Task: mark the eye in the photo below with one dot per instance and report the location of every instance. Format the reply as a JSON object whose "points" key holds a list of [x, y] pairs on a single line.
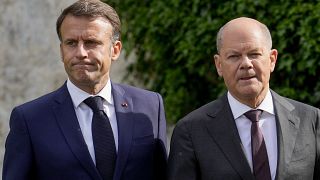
{"points": [[254, 55], [70, 43], [233, 56], [92, 43]]}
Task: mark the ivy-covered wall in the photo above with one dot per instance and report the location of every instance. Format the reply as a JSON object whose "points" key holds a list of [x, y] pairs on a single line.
{"points": [[174, 41]]}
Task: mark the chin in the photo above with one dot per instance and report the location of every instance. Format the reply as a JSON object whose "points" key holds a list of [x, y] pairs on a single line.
{"points": [[250, 92], [83, 79]]}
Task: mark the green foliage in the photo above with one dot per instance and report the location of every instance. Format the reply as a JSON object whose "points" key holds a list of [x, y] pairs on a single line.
{"points": [[175, 42]]}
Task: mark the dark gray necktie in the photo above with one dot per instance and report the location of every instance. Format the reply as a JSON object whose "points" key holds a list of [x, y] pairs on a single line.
{"points": [[260, 160], [103, 140]]}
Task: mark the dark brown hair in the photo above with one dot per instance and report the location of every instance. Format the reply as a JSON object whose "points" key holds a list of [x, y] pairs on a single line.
{"points": [[92, 9]]}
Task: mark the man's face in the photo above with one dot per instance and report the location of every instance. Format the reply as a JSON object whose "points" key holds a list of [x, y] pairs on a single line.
{"points": [[245, 62], [87, 51]]}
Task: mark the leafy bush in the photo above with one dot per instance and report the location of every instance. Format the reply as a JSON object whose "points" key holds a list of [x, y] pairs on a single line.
{"points": [[174, 41]]}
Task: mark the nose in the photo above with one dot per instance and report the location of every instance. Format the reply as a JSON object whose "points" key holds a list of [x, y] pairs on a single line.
{"points": [[81, 52], [246, 63]]}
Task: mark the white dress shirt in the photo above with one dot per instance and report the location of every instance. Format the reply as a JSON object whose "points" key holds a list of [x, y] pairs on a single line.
{"points": [[267, 125], [84, 113]]}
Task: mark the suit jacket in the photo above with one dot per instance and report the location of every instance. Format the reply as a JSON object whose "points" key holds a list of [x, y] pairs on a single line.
{"points": [[45, 140], [206, 144]]}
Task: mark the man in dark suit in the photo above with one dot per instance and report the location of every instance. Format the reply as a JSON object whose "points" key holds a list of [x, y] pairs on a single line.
{"points": [[54, 136], [220, 140]]}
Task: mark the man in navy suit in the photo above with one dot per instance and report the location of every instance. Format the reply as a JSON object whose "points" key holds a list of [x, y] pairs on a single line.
{"points": [[51, 136]]}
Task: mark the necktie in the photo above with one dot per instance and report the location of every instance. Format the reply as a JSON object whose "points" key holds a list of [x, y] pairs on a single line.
{"points": [[260, 160], [103, 140]]}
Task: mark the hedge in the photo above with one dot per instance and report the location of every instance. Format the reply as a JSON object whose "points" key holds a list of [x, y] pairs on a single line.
{"points": [[174, 43]]}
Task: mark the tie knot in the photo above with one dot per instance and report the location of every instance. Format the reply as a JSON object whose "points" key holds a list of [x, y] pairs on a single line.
{"points": [[253, 115], [95, 103]]}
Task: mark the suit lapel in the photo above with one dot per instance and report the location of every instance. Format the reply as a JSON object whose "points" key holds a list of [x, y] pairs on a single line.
{"points": [[221, 125], [287, 130], [222, 128], [123, 107], [67, 120]]}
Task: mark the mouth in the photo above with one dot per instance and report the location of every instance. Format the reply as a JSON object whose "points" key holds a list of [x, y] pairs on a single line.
{"points": [[247, 78], [82, 64], [83, 67]]}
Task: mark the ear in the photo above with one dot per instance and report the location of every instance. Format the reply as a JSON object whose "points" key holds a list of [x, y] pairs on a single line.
{"points": [[217, 62], [61, 52], [116, 50], [273, 59]]}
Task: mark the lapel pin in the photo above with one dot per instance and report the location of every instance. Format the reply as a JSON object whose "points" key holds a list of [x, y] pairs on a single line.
{"points": [[124, 105]]}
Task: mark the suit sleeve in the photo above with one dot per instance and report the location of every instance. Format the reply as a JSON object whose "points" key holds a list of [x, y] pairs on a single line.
{"points": [[317, 130], [162, 124], [182, 163], [18, 156], [161, 144]]}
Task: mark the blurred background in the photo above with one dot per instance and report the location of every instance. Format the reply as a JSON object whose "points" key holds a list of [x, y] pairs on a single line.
{"points": [[174, 41], [168, 47]]}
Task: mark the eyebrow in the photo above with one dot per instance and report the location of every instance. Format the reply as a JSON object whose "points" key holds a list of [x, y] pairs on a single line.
{"points": [[255, 49], [248, 48], [231, 52], [69, 40]]}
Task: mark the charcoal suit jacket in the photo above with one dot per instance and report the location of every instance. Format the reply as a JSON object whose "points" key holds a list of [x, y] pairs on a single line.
{"points": [[206, 144]]}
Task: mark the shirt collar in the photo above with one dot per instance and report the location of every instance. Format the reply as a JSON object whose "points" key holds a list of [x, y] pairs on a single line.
{"points": [[238, 108], [78, 95]]}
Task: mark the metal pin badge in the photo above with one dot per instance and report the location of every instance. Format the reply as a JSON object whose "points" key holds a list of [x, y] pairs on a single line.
{"points": [[124, 105]]}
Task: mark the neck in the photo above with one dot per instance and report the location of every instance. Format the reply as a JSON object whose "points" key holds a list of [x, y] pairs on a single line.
{"points": [[92, 88], [253, 101]]}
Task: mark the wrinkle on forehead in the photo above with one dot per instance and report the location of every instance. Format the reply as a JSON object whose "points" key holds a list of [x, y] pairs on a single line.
{"points": [[240, 48]]}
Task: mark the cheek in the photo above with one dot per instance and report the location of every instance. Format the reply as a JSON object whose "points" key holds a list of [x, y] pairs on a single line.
{"points": [[263, 75], [230, 71], [261, 67], [102, 58], [65, 60], [266, 76], [105, 63], [229, 77], [66, 56], [102, 54]]}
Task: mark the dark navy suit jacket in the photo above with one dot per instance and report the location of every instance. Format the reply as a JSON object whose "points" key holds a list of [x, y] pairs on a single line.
{"points": [[45, 140]]}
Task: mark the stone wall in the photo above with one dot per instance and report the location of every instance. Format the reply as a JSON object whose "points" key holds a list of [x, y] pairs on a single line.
{"points": [[30, 64]]}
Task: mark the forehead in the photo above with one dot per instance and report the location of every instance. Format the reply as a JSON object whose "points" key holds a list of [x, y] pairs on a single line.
{"points": [[76, 25], [246, 47], [241, 37]]}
